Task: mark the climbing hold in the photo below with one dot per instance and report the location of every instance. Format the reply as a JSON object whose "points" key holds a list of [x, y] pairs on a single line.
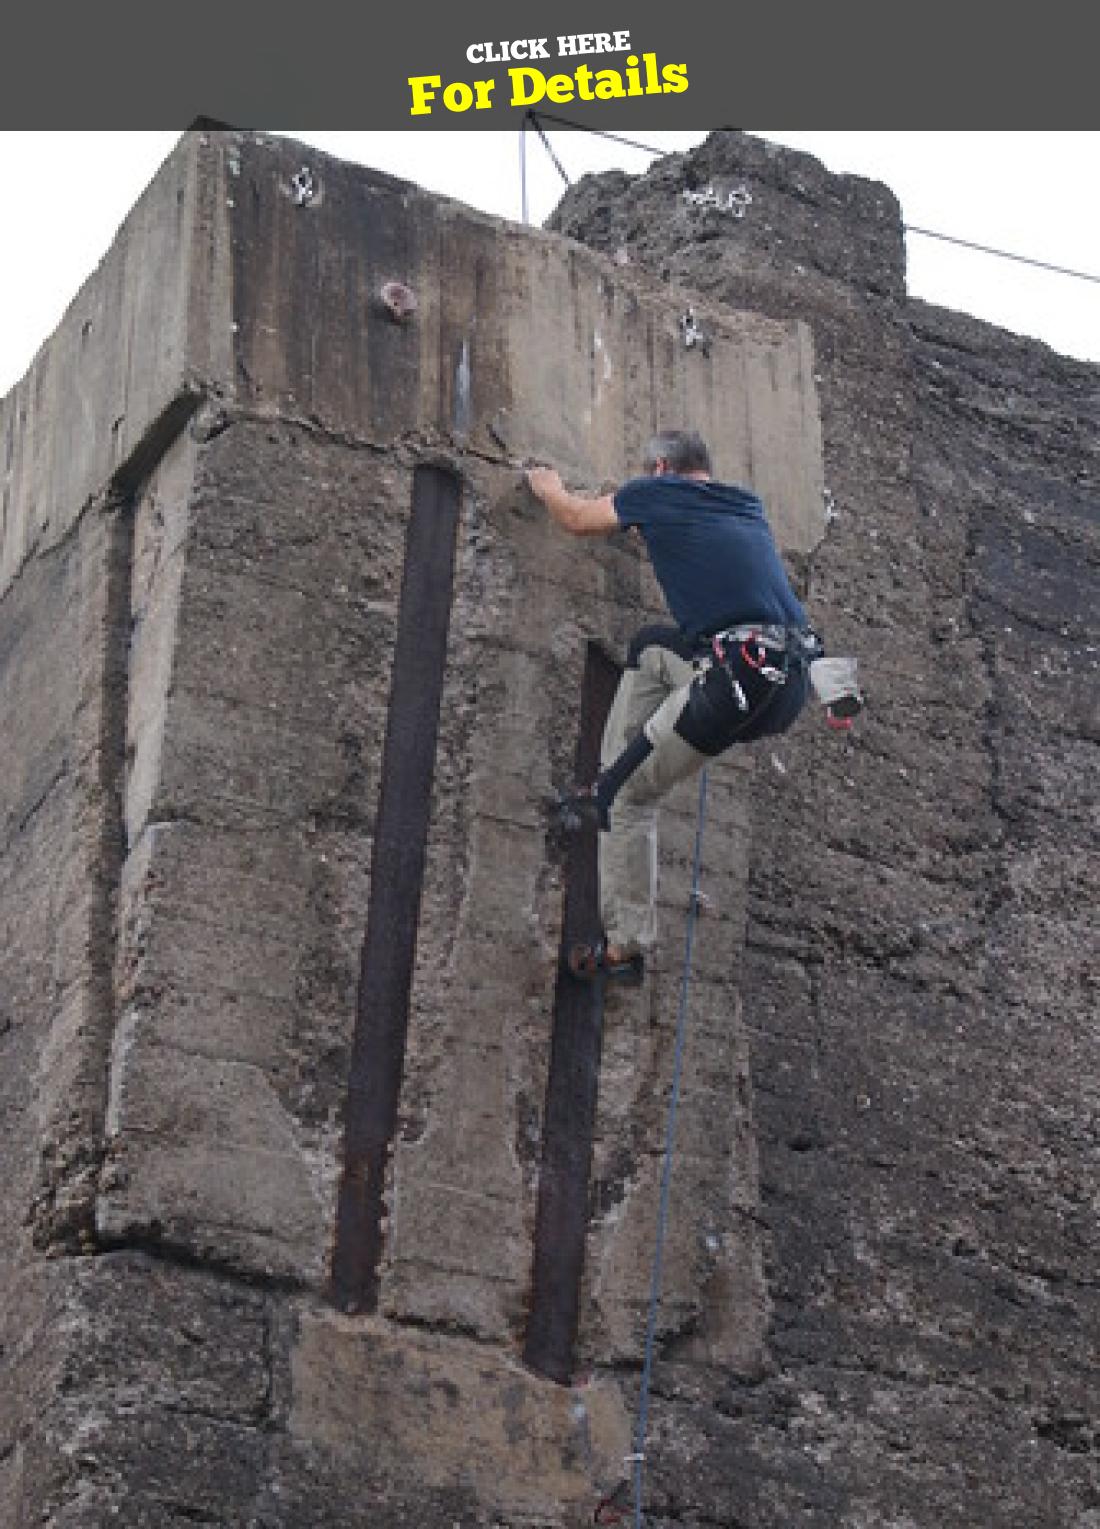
{"points": [[303, 187], [736, 202], [399, 299], [692, 333]]}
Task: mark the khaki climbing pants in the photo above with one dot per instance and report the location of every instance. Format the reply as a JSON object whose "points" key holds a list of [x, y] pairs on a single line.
{"points": [[653, 695], [650, 696]]}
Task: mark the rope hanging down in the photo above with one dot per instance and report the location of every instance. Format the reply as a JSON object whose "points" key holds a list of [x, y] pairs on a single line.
{"points": [[638, 1457]]}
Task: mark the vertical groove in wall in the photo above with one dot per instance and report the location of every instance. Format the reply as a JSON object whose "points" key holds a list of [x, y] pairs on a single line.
{"points": [[397, 872], [100, 750], [105, 792], [87, 934], [569, 1117]]}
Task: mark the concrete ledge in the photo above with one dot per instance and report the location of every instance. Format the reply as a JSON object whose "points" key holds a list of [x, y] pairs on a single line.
{"points": [[455, 1415]]}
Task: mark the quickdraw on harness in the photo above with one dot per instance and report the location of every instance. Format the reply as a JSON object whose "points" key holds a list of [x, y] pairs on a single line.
{"points": [[753, 648]]}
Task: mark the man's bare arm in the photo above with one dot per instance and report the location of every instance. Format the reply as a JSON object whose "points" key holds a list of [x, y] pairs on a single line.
{"points": [[573, 512]]}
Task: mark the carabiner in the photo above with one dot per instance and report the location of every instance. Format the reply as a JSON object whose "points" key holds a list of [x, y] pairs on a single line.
{"points": [[761, 653]]}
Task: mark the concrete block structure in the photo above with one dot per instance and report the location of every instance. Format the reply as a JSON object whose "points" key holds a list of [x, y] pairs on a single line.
{"points": [[320, 1208]]}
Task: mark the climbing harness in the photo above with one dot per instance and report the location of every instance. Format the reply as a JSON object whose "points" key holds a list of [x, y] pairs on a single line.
{"points": [[754, 645], [767, 653], [738, 678]]}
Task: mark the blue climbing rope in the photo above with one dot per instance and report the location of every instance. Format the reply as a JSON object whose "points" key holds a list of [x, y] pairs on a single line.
{"points": [[638, 1456]]}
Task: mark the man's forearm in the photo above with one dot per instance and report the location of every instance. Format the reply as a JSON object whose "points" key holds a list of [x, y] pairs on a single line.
{"points": [[572, 512], [566, 509]]}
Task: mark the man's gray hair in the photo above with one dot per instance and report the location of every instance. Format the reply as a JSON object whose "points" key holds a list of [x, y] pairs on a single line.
{"points": [[685, 451]]}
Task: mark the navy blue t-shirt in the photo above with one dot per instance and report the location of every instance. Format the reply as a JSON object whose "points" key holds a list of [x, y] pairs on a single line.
{"points": [[712, 552]]}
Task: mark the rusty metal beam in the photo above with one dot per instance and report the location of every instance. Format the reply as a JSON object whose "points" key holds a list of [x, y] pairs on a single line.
{"points": [[397, 873], [569, 1117]]}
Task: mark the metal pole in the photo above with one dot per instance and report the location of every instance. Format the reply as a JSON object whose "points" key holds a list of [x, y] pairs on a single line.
{"points": [[523, 169]]}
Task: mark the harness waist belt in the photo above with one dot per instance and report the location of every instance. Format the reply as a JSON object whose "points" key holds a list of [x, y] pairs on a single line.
{"points": [[781, 638], [772, 636]]}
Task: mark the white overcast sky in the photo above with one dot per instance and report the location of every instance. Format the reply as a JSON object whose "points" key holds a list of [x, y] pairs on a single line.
{"points": [[1030, 193]]}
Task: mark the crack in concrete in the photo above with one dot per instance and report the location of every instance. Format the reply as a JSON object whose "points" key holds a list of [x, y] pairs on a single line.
{"points": [[63, 773]]}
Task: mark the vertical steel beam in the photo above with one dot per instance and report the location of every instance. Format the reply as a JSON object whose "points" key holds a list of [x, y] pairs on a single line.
{"points": [[397, 874]]}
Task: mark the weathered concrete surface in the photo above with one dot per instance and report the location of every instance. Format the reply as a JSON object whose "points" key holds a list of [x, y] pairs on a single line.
{"points": [[879, 1306], [454, 1416], [197, 620], [313, 339], [919, 978], [222, 282]]}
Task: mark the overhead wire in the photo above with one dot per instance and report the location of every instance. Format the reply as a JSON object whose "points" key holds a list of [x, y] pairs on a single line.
{"points": [[909, 228], [987, 249]]}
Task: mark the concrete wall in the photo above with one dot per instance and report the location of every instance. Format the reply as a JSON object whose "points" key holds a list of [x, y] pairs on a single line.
{"points": [[879, 1302], [200, 609]]}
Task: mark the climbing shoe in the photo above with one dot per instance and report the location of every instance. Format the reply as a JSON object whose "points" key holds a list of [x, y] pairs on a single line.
{"points": [[580, 807], [589, 962]]}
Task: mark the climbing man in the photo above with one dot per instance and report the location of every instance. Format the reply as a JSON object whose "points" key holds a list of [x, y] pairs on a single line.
{"points": [[735, 667]]}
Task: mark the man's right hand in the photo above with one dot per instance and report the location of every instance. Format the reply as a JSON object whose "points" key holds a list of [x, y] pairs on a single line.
{"points": [[544, 482], [573, 512]]}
